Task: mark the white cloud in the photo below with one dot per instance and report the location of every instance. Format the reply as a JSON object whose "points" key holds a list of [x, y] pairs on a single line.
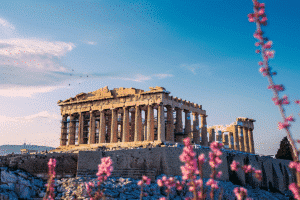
{"points": [[142, 78], [26, 91], [91, 42], [43, 114], [194, 68], [136, 78], [34, 54], [161, 76], [6, 25]]}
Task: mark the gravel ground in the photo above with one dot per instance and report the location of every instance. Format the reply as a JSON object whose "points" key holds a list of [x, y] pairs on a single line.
{"points": [[127, 188]]}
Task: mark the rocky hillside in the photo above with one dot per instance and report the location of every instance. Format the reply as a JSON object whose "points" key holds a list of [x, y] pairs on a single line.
{"points": [[16, 149]]}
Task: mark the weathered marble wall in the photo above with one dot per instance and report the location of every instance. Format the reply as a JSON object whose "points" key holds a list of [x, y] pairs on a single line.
{"points": [[37, 164], [165, 160]]}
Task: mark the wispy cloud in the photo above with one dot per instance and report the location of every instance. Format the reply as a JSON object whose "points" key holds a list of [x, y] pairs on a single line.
{"points": [[136, 78], [142, 78], [6, 25], [25, 91], [161, 76], [91, 42], [43, 114], [195, 68], [34, 54]]}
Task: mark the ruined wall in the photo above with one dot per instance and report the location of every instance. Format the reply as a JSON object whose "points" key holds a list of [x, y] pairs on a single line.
{"points": [[152, 162], [165, 160], [36, 164]]}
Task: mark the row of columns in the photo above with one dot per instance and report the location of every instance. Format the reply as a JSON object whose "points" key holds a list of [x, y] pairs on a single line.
{"points": [[242, 139], [132, 130]]}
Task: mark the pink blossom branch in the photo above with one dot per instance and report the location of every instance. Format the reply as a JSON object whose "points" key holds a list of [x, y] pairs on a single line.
{"points": [[259, 17]]}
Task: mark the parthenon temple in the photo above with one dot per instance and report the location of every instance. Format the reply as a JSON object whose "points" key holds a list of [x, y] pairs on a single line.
{"points": [[125, 115]]}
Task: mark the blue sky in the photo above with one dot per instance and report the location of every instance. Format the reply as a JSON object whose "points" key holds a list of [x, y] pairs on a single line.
{"points": [[201, 51]]}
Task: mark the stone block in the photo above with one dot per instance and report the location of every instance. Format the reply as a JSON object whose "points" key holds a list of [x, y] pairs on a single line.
{"points": [[267, 172], [250, 179], [278, 178], [239, 177], [88, 162]]}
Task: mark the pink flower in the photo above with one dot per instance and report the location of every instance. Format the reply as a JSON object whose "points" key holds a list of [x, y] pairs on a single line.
{"points": [[289, 118], [159, 183], [163, 198], [261, 5], [257, 51], [140, 183], [258, 174], [295, 190], [260, 63], [201, 159], [297, 102], [277, 101], [212, 183], [263, 20], [257, 36], [234, 165], [268, 45], [283, 125], [240, 192], [285, 100], [219, 174], [261, 12], [270, 54], [247, 168]]}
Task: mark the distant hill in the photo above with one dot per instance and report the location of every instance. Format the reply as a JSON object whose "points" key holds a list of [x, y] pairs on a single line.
{"points": [[16, 149]]}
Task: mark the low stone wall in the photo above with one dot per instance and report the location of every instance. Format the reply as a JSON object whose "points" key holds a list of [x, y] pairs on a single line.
{"points": [[152, 162], [37, 164], [165, 160]]}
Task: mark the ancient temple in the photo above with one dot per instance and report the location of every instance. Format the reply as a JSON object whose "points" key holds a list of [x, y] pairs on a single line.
{"points": [[237, 136], [125, 115]]}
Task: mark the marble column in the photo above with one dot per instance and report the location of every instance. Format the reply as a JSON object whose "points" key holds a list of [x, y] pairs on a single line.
{"points": [[125, 124], [145, 125], [203, 134], [196, 135], [102, 127], [114, 126], [121, 126], [230, 135], [80, 129], [64, 130], [132, 126], [138, 124], [150, 123], [72, 130], [161, 135], [92, 132], [211, 135], [187, 129], [241, 141], [219, 136], [178, 126], [236, 139], [246, 144], [170, 125], [251, 142]]}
